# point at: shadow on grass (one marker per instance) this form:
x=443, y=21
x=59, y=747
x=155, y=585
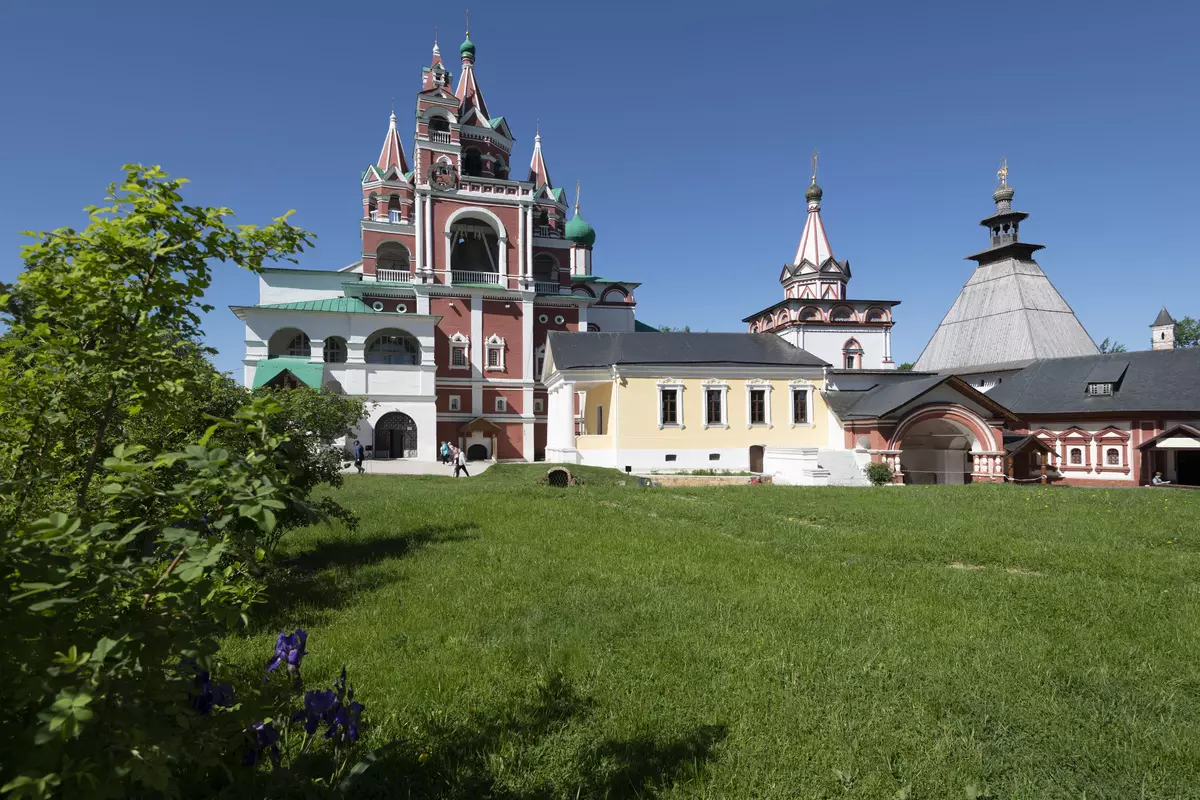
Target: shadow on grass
x=308, y=588
x=506, y=756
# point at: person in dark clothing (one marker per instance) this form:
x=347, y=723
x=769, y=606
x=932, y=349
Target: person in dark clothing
x=460, y=462
x=358, y=456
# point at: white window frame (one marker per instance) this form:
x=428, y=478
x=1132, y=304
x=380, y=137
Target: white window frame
x=798, y=386
x=539, y=405
x=599, y=419
x=715, y=385
x=454, y=402
x=1105, y=447
x=1100, y=389
x=671, y=385
x=756, y=384
x=494, y=344
x=501, y=405
x=458, y=340
x=1073, y=449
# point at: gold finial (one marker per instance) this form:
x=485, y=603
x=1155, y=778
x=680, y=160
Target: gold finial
x=577, y=198
x=814, y=166
x=1002, y=173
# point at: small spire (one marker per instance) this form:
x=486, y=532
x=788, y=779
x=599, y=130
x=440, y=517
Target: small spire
x=436, y=50
x=1002, y=173
x=467, y=16
x=814, y=166
x=537, y=130
x=577, y=183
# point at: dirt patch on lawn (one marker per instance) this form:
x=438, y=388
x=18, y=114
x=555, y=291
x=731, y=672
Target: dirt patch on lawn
x=960, y=565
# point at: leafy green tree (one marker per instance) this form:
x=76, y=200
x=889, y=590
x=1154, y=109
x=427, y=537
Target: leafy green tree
x=124, y=565
x=96, y=323
x=669, y=329
x=1109, y=346
x=907, y=366
x=1187, y=332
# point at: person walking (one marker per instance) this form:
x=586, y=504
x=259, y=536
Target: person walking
x=444, y=452
x=460, y=462
x=358, y=456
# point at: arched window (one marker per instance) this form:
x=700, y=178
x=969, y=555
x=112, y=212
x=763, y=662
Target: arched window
x=593, y=327
x=335, y=350
x=289, y=342
x=810, y=314
x=500, y=169
x=545, y=268
x=1076, y=455
x=852, y=354
x=875, y=315
x=474, y=247
x=439, y=125
x=393, y=347
x=392, y=255
x=842, y=314
x=1113, y=457
x=472, y=162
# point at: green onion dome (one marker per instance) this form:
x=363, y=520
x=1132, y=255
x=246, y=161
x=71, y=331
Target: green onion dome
x=580, y=232
x=467, y=48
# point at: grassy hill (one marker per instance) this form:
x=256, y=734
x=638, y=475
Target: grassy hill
x=514, y=640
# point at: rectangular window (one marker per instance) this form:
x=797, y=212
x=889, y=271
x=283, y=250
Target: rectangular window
x=599, y=420
x=1076, y=455
x=758, y=406
x=458, y=356
x=714, y=456
x=539, y=406
x=712, y=407
x=455, y=403
x=849, y=362
x=800, y=406
x=1100, y=389
x=670, y=457
x=501, y=404
x=1114, y=457
x=669, y=402
x=493, y=358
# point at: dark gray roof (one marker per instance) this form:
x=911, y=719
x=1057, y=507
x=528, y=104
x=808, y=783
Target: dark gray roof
x=1108, y=371
x=572, y=350
x=884, y=398
x=1163, y=318
x=1154, y=380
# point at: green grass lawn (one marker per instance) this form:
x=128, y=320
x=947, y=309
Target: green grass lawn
x=520, y=641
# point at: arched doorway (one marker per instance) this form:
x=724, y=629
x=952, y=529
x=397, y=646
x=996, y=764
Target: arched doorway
x=477, y=452
x=396, y=436
x=938, y=444
x=756, y=458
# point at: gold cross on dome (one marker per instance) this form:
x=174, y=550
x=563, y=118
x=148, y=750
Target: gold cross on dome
x=814, y=165
x=1002, y=173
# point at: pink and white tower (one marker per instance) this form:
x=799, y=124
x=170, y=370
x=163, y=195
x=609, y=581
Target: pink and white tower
x=817, y=313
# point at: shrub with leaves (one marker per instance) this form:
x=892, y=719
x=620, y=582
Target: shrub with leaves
x=879, y=473
x=134, y=527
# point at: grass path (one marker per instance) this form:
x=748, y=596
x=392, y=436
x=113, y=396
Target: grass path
x=609, y=641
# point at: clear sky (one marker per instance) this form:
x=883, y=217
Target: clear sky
x=690, y=126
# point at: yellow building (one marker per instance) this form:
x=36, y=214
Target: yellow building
x=682, y=400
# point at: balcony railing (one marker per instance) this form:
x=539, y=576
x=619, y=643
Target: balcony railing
x=394, y=275
x=394, y=216
x=466, y=276
x=545, y=287
x=439, y=136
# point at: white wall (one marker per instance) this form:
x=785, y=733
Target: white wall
x=827, y=343
x=611, y=320
x=293, y=287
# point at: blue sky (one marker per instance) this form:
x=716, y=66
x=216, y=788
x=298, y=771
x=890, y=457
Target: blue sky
x=691, y=132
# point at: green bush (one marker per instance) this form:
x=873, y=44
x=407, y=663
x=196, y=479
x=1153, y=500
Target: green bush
x=140, y=496
x=878, y=473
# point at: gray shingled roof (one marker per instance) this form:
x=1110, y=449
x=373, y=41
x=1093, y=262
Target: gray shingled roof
x=571, y=350
x=1153, y=380
x=884, y=398
x=1163, y=318
x=1007, y=311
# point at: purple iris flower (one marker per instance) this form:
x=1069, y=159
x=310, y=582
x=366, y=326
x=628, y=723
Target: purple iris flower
x=318, y=707
x=205, y=695
x=289, y=650
x=262, y=738
x=334, y=708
